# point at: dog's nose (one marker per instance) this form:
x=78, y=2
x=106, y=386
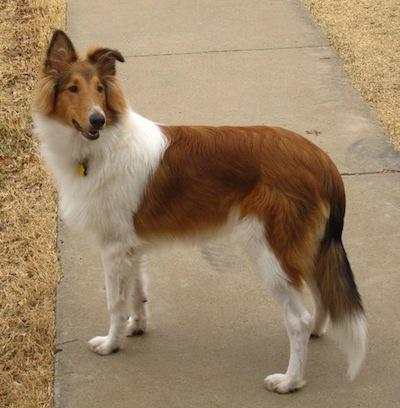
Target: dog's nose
x=97, y=120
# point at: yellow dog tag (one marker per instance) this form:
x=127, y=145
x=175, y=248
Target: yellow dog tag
x=82, y=169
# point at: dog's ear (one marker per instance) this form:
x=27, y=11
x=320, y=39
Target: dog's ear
x=104, y=59
x=60, y=52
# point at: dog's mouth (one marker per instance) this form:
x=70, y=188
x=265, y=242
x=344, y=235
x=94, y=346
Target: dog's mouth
x=91, y=134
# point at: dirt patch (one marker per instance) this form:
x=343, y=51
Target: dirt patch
x=29, y=269
x=366, y=34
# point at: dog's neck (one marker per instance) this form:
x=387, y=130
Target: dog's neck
x=64, y=148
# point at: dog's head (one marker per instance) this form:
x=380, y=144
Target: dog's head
x=80, y=92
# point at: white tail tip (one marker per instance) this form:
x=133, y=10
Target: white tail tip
x=351, y=334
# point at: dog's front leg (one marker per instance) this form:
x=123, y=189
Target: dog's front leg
x=138, y=308
x=119, y=274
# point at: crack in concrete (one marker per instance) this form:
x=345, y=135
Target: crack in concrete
x=169, y=54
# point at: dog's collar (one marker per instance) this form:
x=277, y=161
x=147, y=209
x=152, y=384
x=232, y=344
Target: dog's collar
x=82, y=168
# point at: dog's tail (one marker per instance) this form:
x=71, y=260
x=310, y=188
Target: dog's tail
x=337, y=289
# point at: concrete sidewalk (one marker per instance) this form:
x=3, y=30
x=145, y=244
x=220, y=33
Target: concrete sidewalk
x=231, y=62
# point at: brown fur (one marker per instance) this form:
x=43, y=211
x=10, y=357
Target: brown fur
x=333, y=275
x=94, y=78
x=271, y=173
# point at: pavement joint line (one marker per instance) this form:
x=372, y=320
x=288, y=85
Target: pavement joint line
x=366, y=173
x=66, y=342
x=170, y=54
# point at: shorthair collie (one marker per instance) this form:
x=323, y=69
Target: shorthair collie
x=134, y=184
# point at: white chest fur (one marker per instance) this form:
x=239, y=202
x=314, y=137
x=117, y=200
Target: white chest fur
x=118, y=166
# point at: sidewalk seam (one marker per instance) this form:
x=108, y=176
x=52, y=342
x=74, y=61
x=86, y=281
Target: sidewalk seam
x=366, y=173
x=167, y=54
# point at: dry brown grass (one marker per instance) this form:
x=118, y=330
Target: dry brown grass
x=29, y=269
x=366, y=34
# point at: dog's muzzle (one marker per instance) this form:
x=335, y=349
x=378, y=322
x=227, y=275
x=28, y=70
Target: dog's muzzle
x=91, y=134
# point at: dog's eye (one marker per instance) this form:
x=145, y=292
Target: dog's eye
x=73, y=89
x=100, y=89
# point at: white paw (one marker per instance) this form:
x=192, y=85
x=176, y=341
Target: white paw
x=282, y=384
x=102, y=345
x=136, y=326
x=319, y=327
x=318, y=330
x=315, y=333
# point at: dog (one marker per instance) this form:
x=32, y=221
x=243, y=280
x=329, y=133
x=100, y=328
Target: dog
x=133, y=184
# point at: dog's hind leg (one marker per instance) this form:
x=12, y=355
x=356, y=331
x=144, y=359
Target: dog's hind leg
x=118, y=264
x=321, y=315
x=137, y=322
x=297, y=319
x=298, y=325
